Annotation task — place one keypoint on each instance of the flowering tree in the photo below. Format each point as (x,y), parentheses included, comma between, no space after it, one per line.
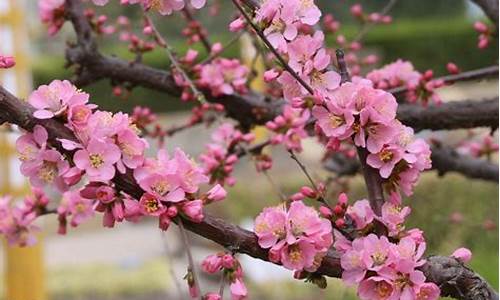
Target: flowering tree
(365,122)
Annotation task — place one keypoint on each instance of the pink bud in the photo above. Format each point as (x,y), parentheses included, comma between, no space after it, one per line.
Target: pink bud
(480,27)
(338,210)
(7,62)
(308,192)
(357,10)
(217,193)
(270,75)
(191,56)
(297,197)
(172,211)
(462,254)
(211,264)
(227,261)
(339,223)
(194,210)
(237,25)
(325,211)
(164,222)
(452,68)
(342,200)
(483,42)
(216,48)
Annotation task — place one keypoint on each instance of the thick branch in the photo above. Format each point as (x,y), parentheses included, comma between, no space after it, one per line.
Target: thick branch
(249,109)
(444,159)
(439,270)
(451,115)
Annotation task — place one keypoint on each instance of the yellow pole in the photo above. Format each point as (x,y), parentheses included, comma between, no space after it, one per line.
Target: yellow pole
(24,268)
(248,53)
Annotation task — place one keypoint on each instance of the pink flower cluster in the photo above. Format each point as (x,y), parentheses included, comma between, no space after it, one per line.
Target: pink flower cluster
(383,268)
(282,19)
(289,128)
(219,158)
(17,219)
(233,274)
(485,146)
(165,7)
(357,112)
(421,87)
(52,14)
(485,34)
(223,76)
(297,237)
(396,74)
(108,144)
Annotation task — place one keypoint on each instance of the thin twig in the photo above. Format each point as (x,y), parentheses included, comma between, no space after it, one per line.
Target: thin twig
(368,25)
(222,285)
(212,56)
(275,187)
(191,267)
(271,48)
(170,266)
(170,53)
(203,38)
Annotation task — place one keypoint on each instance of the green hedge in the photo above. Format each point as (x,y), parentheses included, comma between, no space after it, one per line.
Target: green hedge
(428,44)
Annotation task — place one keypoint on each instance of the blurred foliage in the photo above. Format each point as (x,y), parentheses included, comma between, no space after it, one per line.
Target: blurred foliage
(402,9)
(429,44)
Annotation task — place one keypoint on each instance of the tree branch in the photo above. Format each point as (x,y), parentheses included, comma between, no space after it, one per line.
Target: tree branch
(250,109)
(451,115)
(439,270)
(444,159)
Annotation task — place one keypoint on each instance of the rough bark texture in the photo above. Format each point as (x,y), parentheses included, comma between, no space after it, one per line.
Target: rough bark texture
(439,269)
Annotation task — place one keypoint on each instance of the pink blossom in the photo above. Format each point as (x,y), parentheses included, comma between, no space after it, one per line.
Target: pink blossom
(398,73)
(361,213)
(463,254)
(334,121)
(30,145)
(54,99)
(238,289)
(237,24)
(428,291)
(299,255)
(379,251)
(151,206)
(132,148)
(217,193)
(355,263)
(270,226)
(385,160)
(74,205)
(193,209)
(224,77)
(393,216)
(190,175)
(376,288)
(164,187)
(52,13)
(98,160)
(212,263)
